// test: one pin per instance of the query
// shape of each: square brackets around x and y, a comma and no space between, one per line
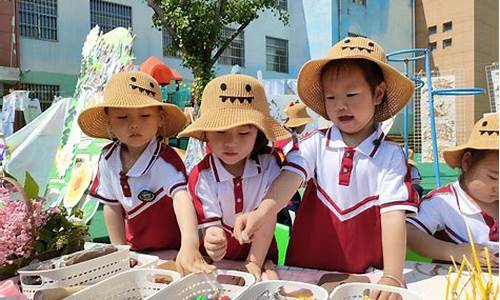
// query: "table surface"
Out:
[428,280]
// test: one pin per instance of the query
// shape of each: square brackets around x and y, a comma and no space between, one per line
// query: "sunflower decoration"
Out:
[80,180]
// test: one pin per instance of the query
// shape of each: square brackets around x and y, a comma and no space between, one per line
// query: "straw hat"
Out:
[484,136]
[399,88]
[129,90]
[233,100]
[297,115]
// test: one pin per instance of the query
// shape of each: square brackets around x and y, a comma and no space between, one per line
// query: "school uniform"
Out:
[338,224]
[145,193]
[445,212]
[219,197]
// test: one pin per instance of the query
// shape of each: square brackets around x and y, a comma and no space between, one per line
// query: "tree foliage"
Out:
[196,29]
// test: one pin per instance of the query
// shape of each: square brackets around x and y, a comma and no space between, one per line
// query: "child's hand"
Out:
[254,269]
[189,260]
[215,243]
[246,225]
[270,271]
[464,249]
[379,295]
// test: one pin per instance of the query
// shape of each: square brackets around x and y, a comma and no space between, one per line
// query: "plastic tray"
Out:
[355,290]
[133,284]
[194,285]
[84,273]
[266,290]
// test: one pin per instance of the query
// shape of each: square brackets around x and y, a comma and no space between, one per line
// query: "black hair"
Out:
[260,145]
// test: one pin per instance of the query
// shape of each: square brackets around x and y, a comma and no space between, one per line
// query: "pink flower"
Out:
[17,234]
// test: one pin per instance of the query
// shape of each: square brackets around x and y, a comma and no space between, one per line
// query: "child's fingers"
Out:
[206,268]
[215,238]
[374,294]
[202,267]
[254,269]
[215,246]
[395,296]
[239,226]
[218,255]
[180,268]
[494,260]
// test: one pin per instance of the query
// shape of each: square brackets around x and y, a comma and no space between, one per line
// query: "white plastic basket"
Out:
[144,261]
[194,285]
[266,290]
[84,273]
[355,290]
[133,284]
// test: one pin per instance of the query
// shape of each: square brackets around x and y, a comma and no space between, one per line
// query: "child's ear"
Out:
[466,161]
[380,92]
[163,117]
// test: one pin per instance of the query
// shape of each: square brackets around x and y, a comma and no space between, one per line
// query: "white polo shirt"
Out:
[447,209]
[219,197]
[371,174]
[348,189]
[145,193]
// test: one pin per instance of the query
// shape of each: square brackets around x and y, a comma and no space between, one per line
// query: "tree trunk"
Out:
[201,77]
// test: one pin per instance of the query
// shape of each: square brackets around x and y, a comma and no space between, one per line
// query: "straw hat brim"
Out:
[297,122]
[94,122]
[453,157]
[399,88]
[215,121]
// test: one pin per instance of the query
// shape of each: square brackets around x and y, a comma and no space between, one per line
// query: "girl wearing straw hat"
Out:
[234,177]
[297,119]
[140,180]
[440,228]
[359,189]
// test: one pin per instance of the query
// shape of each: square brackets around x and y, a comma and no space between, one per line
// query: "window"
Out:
[276,55]
[432,46]
[432,29]
[352,34]
[43,92]
[234,54]
[38,19]
[446,43]
[167,44]
[109,15]
[359,2]
[448,26]
[283,5]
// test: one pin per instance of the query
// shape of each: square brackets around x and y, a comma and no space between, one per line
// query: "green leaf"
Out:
[30,186]
[45,235]
[39,246]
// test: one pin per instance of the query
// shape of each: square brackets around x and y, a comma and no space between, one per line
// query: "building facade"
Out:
[463,37]
[51,34]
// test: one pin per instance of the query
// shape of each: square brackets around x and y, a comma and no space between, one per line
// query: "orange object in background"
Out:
[160,71]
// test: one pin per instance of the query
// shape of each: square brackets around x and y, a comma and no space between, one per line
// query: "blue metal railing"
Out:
[421,53]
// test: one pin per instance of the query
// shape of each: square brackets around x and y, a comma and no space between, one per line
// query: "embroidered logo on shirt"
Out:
[146,196]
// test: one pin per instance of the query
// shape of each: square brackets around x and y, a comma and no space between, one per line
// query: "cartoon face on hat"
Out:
[370,46]
[232,100]
[134,83]
[488,126]
[225,94]
[484,136]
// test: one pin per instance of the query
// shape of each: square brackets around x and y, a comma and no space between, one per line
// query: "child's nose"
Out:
[341,105]
[230,141]
[134,125]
